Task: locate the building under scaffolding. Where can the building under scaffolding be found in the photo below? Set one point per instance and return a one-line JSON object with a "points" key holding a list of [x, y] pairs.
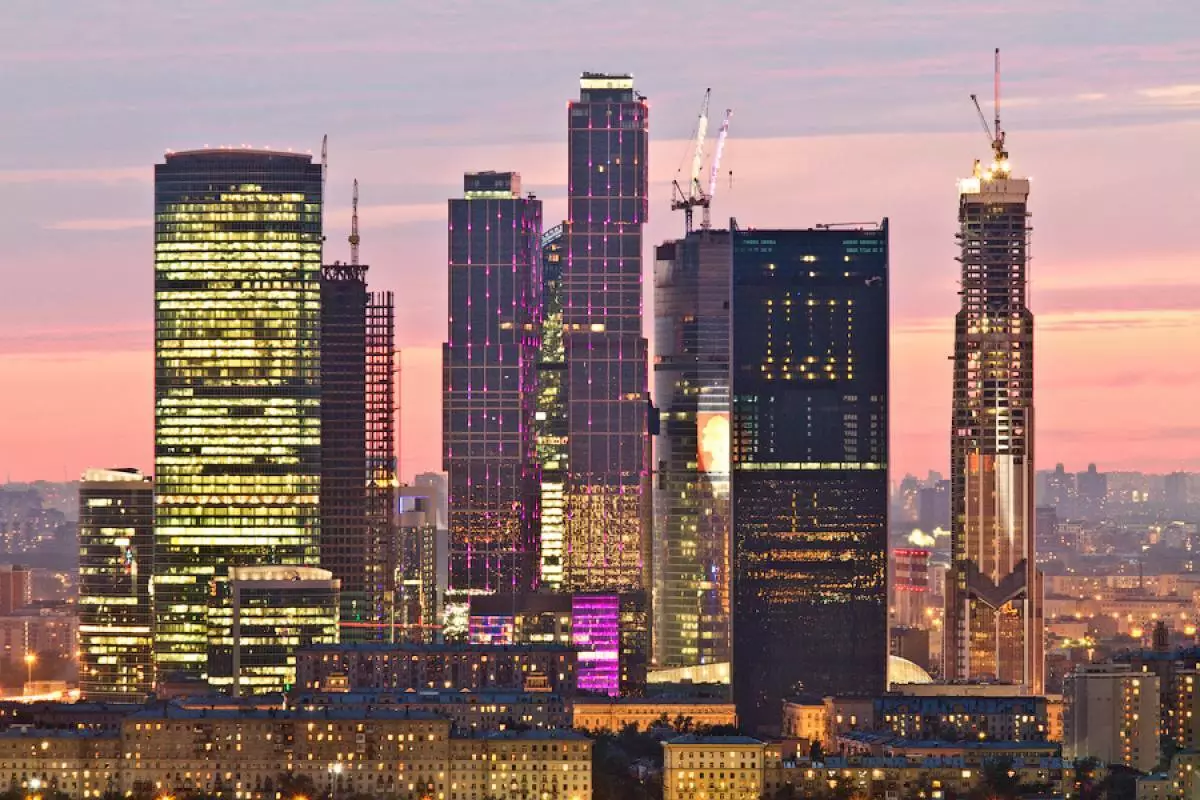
{"points": [[358, 458]]}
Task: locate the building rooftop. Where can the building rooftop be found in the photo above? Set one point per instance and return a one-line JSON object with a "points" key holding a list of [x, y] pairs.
{"points": [[692, 738], [541, 735], [408, 647], [325, 713]]}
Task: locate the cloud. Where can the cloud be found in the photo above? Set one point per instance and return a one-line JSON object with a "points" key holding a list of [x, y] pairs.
{"points": [[114, 224], [1177, 95], [104, 175], [66, 341]]}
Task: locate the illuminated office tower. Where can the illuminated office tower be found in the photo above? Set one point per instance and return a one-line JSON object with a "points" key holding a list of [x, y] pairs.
{"points": [[116, 617], [993, 623], [809, 439], [691, 490], [237, 380], [416, 612], [550, 417], [607, 502], [489, 379], [358, 446], [266, 615]]}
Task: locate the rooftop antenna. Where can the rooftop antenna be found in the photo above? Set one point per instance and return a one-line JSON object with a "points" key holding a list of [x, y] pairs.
{"points": [[354, 226]]}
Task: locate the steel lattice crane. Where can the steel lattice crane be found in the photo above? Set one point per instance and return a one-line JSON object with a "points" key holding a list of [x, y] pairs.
{"points": [[694, 195]]}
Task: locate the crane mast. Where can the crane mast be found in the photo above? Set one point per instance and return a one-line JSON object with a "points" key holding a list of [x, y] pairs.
{"points": [[354, 226], [694, 196]]}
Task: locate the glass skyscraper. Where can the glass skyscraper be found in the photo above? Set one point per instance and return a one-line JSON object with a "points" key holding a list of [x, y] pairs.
{"points": [[809, 457], [691, 586], [993, 624], [489, 379], [550, 417], [607, 503], [116, 559], [237, 380]]}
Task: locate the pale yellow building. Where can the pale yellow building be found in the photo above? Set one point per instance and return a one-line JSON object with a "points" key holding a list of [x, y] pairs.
{"points": [[806, 721], [604, 714], [251, 754], [713, 768]]}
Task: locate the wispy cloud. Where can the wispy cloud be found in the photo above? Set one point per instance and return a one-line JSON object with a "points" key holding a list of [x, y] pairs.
{"points": [[95, 225], [67, 340], [105, 175]]}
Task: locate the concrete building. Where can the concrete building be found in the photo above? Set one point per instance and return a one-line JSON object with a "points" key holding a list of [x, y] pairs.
{"points": [[256, 754], [592, 714], [1112, 714], [700, 767], [416, 667]]}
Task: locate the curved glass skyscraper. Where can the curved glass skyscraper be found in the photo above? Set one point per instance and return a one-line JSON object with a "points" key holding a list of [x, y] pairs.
{"points": [[237, 381]]}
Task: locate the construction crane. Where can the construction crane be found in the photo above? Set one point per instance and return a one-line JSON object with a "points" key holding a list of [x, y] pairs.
{"points": [[354, 226], [706, 220], [694, 196], [994, 132], [324, 174]]}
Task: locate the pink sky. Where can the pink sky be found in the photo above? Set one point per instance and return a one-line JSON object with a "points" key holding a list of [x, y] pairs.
{"points": [[842, 113]]}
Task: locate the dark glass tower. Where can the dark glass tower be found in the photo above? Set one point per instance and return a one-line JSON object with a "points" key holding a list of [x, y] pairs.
{"points": [[692, 487], [809, 456], [993, 624], [607, 520], [358, 443], [116, 560], [237, 380], [489, 379]]}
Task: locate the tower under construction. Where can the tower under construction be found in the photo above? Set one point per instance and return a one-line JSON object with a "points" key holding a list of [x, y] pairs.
{"points": [[358, 444], [993, 624]]}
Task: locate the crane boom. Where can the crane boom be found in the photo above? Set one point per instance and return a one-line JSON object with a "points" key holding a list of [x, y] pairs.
{"points": [[982, 119]]}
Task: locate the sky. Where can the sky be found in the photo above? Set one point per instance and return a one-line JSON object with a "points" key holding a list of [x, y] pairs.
{"points": [[844, 111]]}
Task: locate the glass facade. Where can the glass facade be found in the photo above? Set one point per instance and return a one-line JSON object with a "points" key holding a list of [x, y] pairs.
{"points": [[550, 418], [607, 519], [489, 380], [116, 618], [993, 624], [267, 614], [809, 437], [692, 489], [358, 444], [237, 379]]}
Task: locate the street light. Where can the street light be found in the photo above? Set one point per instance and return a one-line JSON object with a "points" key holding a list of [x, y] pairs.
{"points": [[30, 660]]}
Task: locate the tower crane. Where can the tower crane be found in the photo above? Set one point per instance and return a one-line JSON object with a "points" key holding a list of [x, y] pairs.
{"points": [[994, 132], [354, 226], [706, 220], [694, 196]]}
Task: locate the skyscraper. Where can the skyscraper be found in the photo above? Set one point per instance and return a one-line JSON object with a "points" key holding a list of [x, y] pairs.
{"points": [[607, 519], [691, 543], [237, 379], [116, 559], [550, 417], [993, 623], [809, 436], [358, 446], [489, 377]]}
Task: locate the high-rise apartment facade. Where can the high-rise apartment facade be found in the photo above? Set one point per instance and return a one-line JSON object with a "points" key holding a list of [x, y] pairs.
{"points": [[237, 379], [489, 375], [358, 447], [116, 560], [809, 457], [691, 543], [607, 521], [993, 621]]}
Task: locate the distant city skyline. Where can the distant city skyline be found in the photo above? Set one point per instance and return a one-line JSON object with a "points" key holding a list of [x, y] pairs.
{"points": [[1108, 113]]}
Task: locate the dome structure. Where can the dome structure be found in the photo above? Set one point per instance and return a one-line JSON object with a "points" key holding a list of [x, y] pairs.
{"points": [[901, 671]]}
